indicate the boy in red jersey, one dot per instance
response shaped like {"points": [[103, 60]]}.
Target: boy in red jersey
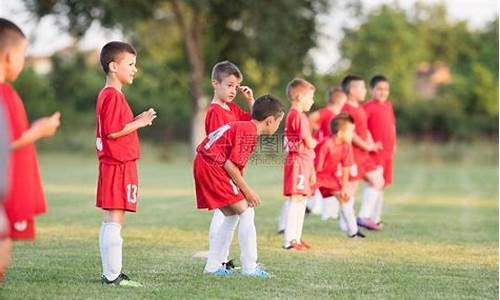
{"points": [[382, 126], [363, 145], [333, 163], [218, 175], [320, 122], [299, 175], [24, 197], [117, 146], [226, 79]]}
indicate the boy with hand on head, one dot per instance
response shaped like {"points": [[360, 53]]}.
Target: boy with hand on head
{"points": [[299, 174], [117, 146], [363, 145], [382, 126], [333, 163], [218, 175], [226, 79], [24, 197]]}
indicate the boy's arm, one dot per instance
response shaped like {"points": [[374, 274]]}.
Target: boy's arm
{"points": [[144, 119], [310, 142], [247, 94], [345, 181], [233, 171], [41, 128], [313, 120], [356, 140]]}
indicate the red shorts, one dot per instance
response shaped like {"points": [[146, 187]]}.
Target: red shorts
{"points": [[297, 176], [328, 184], [22, 230], [214, 187], [386, 164], [117, 186], [364, 164]]}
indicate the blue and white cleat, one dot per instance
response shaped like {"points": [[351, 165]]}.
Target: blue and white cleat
{"points": [[259, 273], [220, 272]]}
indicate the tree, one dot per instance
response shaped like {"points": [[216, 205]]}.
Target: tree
{"points": [[209, 30]]}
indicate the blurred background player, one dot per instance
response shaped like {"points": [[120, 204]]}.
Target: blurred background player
{"points": [[299, 175], [117, 147], [218, 175], [363, 144], [382, 127], [334, 162], [24, 198], [226, 79], [320, 123]]}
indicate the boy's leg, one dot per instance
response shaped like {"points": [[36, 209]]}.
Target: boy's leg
{"points": [[371, 193], [215, 224], [111, 243], [291, 222], [347, 209], [330, 208], [248, 241], [283, 214], [301, 204], [5, 255], [377, 212], [317, 201], [223, 238]]}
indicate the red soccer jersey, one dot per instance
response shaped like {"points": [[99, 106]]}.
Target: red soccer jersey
{"points": [[324, 130], [112, 114], [332, 158], [297, 129], [359, 116], [382, 125], [217, 116], [235, 141], [24, 198]]}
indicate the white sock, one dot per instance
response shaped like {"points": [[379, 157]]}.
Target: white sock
{"points": [[343, 223], [283, 215], [248, 241], [334, 210], [347, 210], [222, 243], [101, 247], [318, 203], [215, 224], [328, 207], [112, 244], [370, 196], [377, 211], [300, 219], [291, 222]]}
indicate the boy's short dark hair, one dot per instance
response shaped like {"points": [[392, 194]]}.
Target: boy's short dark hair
{"points": [[333, 92], [295, 84], [346, 82], [376, 79], [266, 106], [340, 121], [10, 33], [224, 69], [112, 50]]}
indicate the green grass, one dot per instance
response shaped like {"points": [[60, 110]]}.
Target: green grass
{"points": [[441, 238]]}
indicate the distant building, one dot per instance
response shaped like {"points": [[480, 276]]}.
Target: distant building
{"points": [[42, 65], [430, 77]]}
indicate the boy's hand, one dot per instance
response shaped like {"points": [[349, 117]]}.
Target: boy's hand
{"points": [[247, 94], [146, 118], [312, 179], [252, 198], [47, 126], [344, 195]]}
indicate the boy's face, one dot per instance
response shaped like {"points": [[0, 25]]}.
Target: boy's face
{"points": [[124, 68], [306, 98], [14, 56], [227, 89], [272, 124], [381, 91], [346, 134], [339, 99], [357, 91]]}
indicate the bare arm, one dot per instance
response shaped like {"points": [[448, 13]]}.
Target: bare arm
{"points": [[310, 142], [41, 128], [235, 174], [356, 140], [144, 119], [247, 94], [313, 120]]}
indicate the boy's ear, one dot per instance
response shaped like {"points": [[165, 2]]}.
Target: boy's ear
{"points": [[214, 83], [113, 67]]}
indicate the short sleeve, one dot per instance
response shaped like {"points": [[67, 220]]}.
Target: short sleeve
{"points": [[240, 114], [112, 117], [213, 121]]}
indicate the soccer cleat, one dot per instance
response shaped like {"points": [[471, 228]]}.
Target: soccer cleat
{"points": [[229, 265], [367, 223], [305, 244], [381, 225], [121, 280], [259, 273], [221, 272], [358, 234], [308, 210], [281, 231], [294, 246]]}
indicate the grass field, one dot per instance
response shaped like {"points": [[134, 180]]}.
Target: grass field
{"points": [[441, 238]]}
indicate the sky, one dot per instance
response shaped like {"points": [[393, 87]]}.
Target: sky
{"points": [[46, 36]]}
